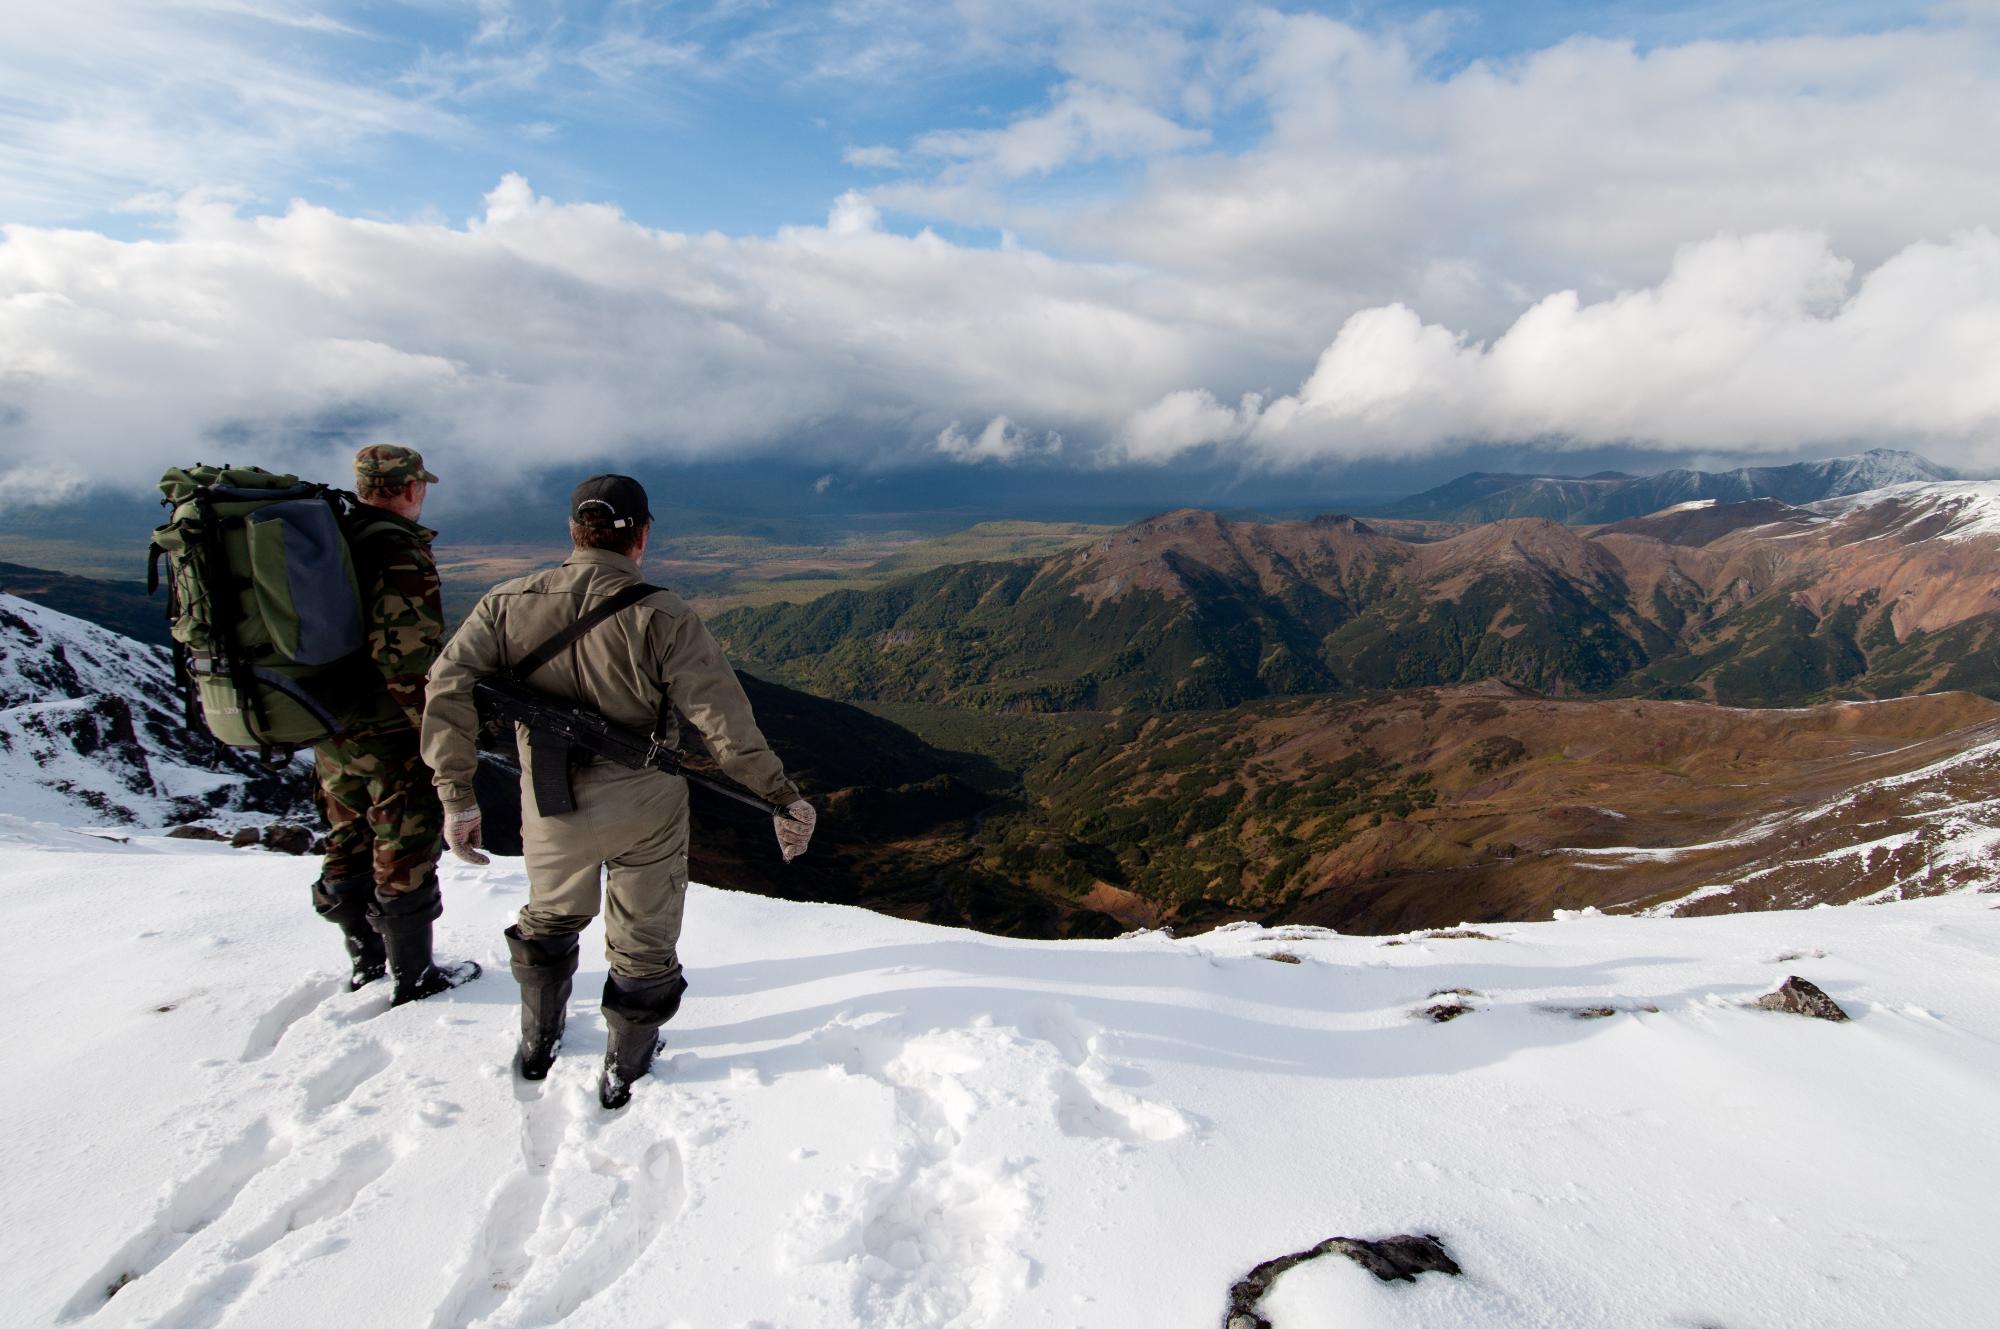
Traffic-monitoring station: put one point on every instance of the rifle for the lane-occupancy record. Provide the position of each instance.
(558, 729)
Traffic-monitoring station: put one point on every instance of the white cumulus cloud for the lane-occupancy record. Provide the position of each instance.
(1761, 342)
(542, 331)
(1271, 235)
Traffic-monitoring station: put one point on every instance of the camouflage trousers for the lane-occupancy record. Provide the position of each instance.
(382, 815)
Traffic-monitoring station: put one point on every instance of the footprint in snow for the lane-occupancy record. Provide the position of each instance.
(930, 1235)
(274, 1242)
(335, 1082)
(288, 1010)
(188, 1208)
(1087, 1102)
(592, 1193)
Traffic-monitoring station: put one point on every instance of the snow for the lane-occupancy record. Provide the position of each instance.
(1971, 507)
(91, 728)
(865, 1121)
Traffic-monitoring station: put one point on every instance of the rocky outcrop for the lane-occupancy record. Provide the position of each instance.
(92, 730)
(1798, 996)
(1391, 1259)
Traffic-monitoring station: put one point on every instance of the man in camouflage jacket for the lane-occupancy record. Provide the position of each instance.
(384, 824)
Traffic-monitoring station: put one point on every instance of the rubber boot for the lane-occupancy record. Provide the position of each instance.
(634, 1010)
(543, 966)
(405, 924)
(345, 904)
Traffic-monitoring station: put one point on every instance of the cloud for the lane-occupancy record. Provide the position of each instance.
(999, 441)
(541, 331)
(1585, 164)
(1085, 124)
(873, 158)
(100, 100)
(1751, 343)
(1274, 236)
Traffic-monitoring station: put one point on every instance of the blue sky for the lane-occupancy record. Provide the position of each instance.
(722, 116)
(1061, 237)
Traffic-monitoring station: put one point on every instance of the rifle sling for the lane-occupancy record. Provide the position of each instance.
(569, 636)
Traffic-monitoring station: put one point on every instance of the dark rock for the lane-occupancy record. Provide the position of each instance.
(1458, 1001)
(195, 833)
(1796, 996)
(245, 838)
(1391, 1259)
(288, 838)
(1603, 1011)
(1283, 957)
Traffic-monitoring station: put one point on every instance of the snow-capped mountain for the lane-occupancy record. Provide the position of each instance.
(93, 732)
(1921, 510)
(864, 1121)
(1612, 496)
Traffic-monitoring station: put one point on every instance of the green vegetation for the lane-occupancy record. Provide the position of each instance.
(1016, 637)
(1558, 636)
(1775, 651)
(1181, 811)
(1495, 753)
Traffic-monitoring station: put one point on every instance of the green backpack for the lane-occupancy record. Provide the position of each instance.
(262, 603)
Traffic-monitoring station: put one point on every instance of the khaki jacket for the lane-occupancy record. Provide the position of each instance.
(655, 652)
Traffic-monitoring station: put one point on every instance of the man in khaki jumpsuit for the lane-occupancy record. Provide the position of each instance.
(632, 667)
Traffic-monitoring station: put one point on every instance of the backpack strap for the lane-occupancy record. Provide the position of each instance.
(570, 635)
(226, 611)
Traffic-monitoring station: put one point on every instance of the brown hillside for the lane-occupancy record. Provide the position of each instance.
(1494, 805)
(1167, 554)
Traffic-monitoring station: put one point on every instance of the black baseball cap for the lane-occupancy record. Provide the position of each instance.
(617, 501)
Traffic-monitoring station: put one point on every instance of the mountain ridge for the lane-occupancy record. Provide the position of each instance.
(1397, 809)
(1878, 594)
(1483, 496)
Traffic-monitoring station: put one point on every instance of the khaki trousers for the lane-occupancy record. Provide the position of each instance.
(633, 823)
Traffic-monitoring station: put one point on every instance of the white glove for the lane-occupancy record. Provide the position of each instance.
(461, 836)
(795, 829)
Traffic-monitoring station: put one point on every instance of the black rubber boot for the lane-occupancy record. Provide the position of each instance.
(634, 1010)
(405, 924)
(345, 904)
(543, 966)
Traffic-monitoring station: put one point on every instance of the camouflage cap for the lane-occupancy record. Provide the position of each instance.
(391, 462)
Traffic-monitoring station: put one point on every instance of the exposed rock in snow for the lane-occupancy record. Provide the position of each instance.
(1390, 1259)
(93, 730)
(1799, 996)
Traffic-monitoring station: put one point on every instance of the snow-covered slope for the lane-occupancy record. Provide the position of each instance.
(863, 1121)
(91, 729)
(1954, 510)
